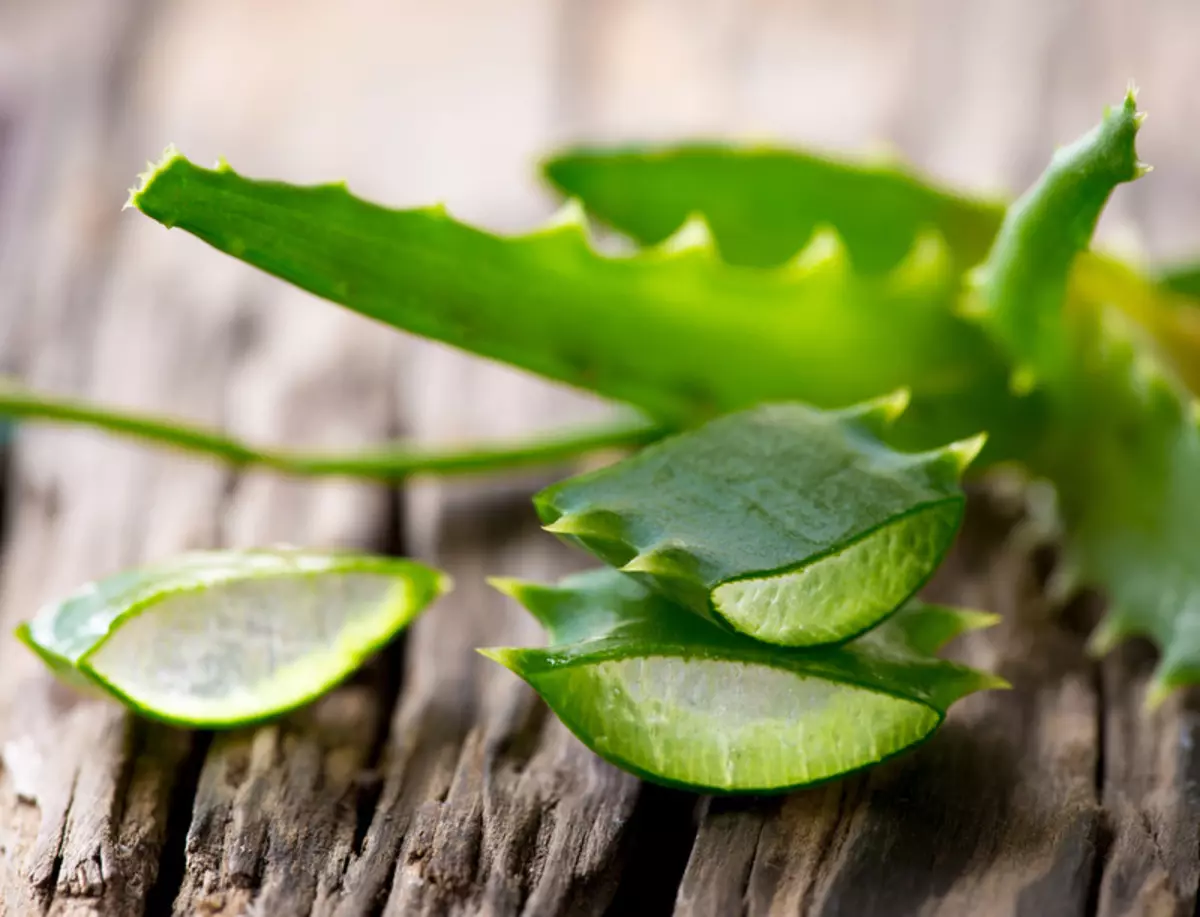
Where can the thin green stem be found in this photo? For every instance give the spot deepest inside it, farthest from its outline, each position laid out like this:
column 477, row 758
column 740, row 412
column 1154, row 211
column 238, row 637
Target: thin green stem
column 388, row 462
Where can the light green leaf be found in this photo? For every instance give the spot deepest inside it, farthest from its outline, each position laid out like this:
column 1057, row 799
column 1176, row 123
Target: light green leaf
column 1122, row 446
column 673, row 330
column 764, row 204
column 789, row 524
column 668, row 696
column 1021, row 289
column 221, row 638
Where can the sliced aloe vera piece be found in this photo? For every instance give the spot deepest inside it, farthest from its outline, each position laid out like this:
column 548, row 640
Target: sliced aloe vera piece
column 670, row 697
column 792, row 525
column 222, row 638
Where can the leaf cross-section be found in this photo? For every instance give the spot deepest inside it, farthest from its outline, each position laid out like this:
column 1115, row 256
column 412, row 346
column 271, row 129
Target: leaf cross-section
column 671, row 697
column 790, row 524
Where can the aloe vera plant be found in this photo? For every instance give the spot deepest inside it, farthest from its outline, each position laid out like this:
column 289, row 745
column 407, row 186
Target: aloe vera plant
column 778, row 300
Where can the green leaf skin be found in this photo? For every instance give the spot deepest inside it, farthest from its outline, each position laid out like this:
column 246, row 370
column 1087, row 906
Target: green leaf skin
column 1125, row 460
column 673, row 330
column 792, row 525
column 385, row 463
column 764, row 204
column 671, row 698
column 225, row 605
column 1020, row 291
column 1122, row 447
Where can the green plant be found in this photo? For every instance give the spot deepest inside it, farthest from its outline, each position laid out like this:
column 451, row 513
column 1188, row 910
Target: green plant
column 771, row 276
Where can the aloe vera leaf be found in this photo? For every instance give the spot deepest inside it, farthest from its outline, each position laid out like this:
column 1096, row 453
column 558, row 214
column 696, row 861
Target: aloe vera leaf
column 1122, row 445
column 1020, row 290
column 765, row 203
column 221, row 638
column 792, row 525
column 673, row 330
column 672, row 698
column 385, row 463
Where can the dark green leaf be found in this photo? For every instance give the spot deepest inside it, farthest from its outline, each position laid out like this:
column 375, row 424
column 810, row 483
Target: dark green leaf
column 793, row 525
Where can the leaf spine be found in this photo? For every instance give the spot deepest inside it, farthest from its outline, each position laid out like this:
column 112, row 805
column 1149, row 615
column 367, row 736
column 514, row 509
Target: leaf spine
column 962, row 453
column 660, row 560
column 585, row 524
column 824, row 253
column 693, row 237
column 879, row 413
column 928, row 262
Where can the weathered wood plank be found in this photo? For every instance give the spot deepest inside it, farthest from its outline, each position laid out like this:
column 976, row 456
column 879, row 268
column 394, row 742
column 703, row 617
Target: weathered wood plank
column 1059, row 797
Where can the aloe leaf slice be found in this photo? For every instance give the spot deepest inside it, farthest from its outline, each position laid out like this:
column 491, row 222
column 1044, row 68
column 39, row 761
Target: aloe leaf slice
column 222, row 638
column 790, row 524
column 674, row 330
column 668, row 696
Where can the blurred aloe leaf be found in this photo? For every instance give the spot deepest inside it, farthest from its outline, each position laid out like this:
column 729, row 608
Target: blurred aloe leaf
column 764, row 204
column 673, row 330
column 1123, row 446
column 789, row 524
column 677, row 700
column 388, row 462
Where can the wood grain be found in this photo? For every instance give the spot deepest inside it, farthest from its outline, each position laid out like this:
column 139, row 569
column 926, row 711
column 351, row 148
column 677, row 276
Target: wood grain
column 435, row 782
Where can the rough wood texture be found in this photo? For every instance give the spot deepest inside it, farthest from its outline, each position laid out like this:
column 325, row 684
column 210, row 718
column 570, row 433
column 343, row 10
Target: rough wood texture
column 434, row 782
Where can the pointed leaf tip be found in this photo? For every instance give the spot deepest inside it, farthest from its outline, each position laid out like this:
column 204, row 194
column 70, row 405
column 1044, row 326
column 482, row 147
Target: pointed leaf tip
column 570, row 215
column 506, row 585
column 505, row 655
column 694, row 236
column 962, row 453
column 657, row 561
column 825, row 250
column 878, row 414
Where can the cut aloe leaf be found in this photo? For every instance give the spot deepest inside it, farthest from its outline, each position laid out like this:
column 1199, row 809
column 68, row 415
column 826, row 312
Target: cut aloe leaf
column 792, row 525
column 221, row 638
column 669, row 697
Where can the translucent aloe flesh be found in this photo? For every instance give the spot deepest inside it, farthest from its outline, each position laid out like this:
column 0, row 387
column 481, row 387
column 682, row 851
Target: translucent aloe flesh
column 669, row 696
column 793, row 525
column 226, row 637
column 674, row 330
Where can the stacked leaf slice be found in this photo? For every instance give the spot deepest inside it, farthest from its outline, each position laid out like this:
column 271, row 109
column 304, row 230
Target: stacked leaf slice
column 758, row 631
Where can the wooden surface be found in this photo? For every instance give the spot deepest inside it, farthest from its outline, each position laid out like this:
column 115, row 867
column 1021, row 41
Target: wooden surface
column 434, row 783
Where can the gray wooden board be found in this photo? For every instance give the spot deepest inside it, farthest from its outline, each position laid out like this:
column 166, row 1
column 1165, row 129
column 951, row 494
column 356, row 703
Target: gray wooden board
column 434, row 782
